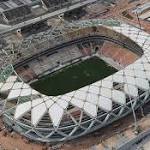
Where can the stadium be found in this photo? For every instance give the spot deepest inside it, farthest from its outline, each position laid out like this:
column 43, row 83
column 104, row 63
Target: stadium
column 73, row 81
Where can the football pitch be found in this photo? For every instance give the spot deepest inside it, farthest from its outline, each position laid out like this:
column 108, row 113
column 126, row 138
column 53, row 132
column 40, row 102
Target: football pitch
column 73, row 77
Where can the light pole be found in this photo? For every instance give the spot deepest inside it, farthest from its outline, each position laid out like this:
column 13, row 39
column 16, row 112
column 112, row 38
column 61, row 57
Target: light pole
column 138, row 19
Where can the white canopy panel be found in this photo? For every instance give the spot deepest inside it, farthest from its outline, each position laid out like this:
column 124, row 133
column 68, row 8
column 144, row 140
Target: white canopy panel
column 99, row 95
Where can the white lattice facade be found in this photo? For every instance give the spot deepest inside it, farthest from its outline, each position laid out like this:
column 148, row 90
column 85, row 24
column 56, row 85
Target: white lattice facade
column 64, row 117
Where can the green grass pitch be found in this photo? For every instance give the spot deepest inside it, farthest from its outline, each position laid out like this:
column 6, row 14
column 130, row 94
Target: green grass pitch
column 73, row 77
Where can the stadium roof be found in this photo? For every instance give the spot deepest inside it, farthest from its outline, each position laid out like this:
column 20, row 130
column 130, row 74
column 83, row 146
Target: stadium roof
column 100, row 94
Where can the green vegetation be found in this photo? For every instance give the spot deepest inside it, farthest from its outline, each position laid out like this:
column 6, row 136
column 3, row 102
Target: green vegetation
column 73, row 77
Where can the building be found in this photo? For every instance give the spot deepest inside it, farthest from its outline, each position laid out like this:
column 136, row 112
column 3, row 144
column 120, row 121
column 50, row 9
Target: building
column 14, row 11
column 68, row 116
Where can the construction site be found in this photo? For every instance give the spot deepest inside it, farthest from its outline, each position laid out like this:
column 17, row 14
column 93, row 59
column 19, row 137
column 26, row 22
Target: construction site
column 74, row 74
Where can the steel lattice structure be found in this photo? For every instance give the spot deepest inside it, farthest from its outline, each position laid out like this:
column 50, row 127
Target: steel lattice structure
column 65, row 117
